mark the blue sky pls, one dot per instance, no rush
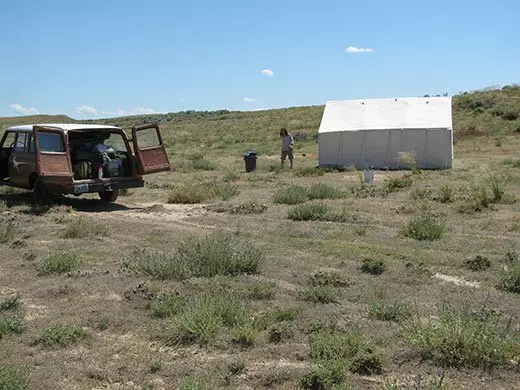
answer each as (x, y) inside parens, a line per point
(103, 58)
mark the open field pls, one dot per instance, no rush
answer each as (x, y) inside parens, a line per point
(213, 278)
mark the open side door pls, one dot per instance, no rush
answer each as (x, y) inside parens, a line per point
(149, 149)
(53, 163)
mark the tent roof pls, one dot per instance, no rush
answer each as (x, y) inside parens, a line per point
(394, 113)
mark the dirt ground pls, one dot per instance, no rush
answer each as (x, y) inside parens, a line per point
(119, 351)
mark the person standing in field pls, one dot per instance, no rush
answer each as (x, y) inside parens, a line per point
(287, 146)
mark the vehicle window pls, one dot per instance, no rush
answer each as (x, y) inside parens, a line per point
(30, 148)
(147, 138)
(21, 141)
(50, 142)
(9, 140)
(116, 141)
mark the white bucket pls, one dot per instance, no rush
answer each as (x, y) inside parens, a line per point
(369, 176)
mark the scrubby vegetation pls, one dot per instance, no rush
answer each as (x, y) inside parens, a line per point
(213, 277)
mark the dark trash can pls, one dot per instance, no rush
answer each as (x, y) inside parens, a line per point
(250, 160)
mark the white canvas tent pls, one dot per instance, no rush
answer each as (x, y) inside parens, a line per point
(377, 133)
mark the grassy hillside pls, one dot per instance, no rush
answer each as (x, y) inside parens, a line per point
(213, 278)
(487, 112)
(21, 120)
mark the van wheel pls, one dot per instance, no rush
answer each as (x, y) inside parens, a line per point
(41, 192)
(109, 196)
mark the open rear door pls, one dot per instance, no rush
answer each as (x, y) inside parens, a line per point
(149, 149)
(52, 156)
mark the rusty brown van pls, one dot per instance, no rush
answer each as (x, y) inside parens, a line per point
(80, 158)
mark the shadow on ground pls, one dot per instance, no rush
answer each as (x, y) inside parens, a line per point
(78, 204)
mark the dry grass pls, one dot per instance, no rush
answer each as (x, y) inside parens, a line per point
(289, 298)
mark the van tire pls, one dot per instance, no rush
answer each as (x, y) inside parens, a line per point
(41, 192)
(109, 196)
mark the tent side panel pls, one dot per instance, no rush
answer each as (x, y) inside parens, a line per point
(328, 149)
(387, 149)
(440, 149)
(340, 148)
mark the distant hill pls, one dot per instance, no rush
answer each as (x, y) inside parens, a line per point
(23, 120)
(493, 111)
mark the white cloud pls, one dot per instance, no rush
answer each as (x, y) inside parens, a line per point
(135, 111)
(86, 110)
(23, 110)
(353, 49)
(143, 111)
(249, 100)
(267, 72)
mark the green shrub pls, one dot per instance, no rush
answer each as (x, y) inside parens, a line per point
(479, 263)
(155, 263)
(510, 278)
(260, 290)
(191, 193)
(244, 335)
(291, 195)
(195, 383)
(249, 207)
(230, 176)
(219, 254)
(424, 228)
(286, 315)
(308, 212)
(396, 312)
(202, 164)
(367, 362)
(166, 305)
(372, 266)
(275, 168)
(59, 263)
(498, 190)
(318, 294)
(325, 191)
(6, 231)
(398, 183)
(511, 257)
(215, 254)
(224, 191)
(60, 336)
(13, 324)
(82, 227)
(480, 198)
(13, 377)
(420, 193)
(154, 366)
(280, 331)
(332, 278)
(309, 171)
(326, 376)
(349, 346)
(445, 194)
(202, 317)
(10, 303)
(464, 337)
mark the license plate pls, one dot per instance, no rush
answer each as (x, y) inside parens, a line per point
(80, 188)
